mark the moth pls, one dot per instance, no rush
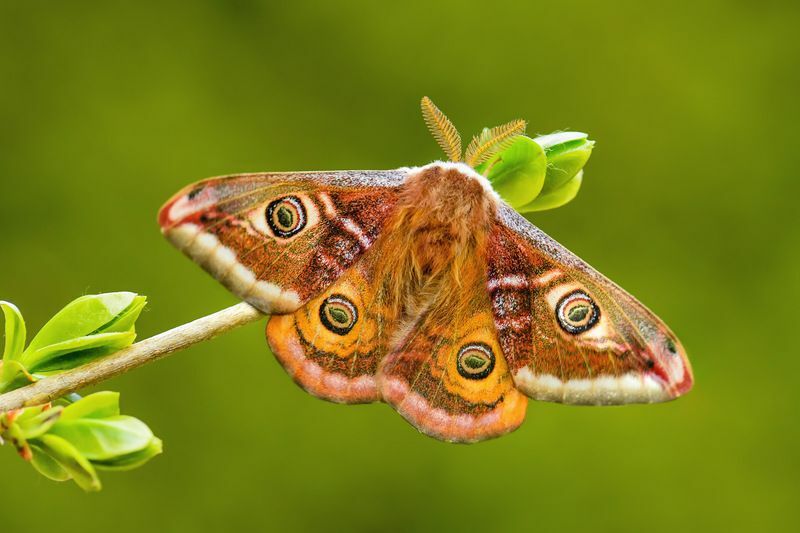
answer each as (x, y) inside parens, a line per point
(420, 287)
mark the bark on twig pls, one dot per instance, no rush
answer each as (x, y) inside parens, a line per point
(133, 356)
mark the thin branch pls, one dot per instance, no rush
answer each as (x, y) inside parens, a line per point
(133, 356)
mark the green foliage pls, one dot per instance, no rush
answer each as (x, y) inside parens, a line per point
(15, 332)
(540, 173)
(87, 328)
(518, 172)
(74, 441)
(567, 153)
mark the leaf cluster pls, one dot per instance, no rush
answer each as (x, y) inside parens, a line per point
(74, 440)
(87, 328)
(74, 437)
(540, 173)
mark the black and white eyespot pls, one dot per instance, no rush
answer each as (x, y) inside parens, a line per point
(475, 361)
(576, 312)
(286, 216)
(338, 314)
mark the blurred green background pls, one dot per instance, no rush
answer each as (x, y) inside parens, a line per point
(689, 202)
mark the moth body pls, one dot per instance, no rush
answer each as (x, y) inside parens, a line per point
(437, 235)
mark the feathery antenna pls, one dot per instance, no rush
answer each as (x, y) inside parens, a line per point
(492, 140)
(442, 129)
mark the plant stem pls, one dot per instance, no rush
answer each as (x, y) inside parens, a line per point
(133, 356)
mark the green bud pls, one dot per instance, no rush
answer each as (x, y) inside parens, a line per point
(47, 466)
(567, 153)
(14, 375)
(76, 440)
(86, 329)
(102, 404)
(556, 197)
(517, 173)
(15, 332)
(103, 439)
(542, 173)
(11, 370)
(132, 460)
(72, 462)
(75, 352)
(36, 421)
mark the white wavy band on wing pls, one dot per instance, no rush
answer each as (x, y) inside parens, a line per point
(602, 390)
(221, 262)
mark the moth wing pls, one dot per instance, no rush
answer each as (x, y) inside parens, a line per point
(278, 239)
(447, 375)
(443, 371)
(332, 346)
(568, 333)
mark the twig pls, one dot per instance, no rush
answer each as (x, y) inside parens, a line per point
(133, 356)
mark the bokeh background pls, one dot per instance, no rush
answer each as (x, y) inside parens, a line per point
(689, 202)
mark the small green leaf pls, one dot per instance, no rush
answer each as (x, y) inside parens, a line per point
(105, 439)
(71, 460)
(31, 412)
(555, 143)
(82, 317)
(518, 172)
(40, 423)
(126, 321)
(132, 460)
(556, 198)
(15, 331)
(47, 466)
(102, 404)
(567, 153)
(74, 352)
(77, 439)
(13, 375)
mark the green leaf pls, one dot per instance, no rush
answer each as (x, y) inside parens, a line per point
(71, 460)
(561, 141)
(15, 332)
(13, 375)
(88, 328)
(105, 439)
(47, 466)
(555, 198)
(31, 412)
(518, 172)
(102, 404)
(126, 321)
(567, 153)
(132, 460)
(76, 440)
(82, 317)
(74, 352)
(38, 421)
